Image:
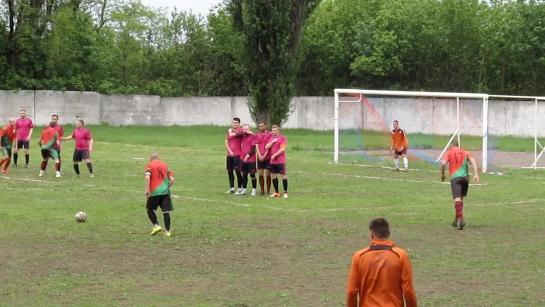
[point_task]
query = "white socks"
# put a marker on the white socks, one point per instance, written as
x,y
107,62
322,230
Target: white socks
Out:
x,y
406,162
396,163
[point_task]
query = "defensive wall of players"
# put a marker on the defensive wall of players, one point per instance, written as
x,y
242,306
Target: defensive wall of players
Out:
x,y
424,115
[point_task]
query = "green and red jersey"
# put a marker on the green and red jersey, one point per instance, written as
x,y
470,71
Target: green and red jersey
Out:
x,y
49,138
8,135
458,160
158,172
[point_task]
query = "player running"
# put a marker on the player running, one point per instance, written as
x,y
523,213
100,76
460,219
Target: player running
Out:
x,y
60,130
159,180
49,142
277,147
458,160
400,142
84,147
262,138
248,157
24,127
6,142
233,141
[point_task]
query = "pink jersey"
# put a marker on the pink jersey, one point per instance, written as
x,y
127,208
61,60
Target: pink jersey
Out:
x,y
262,138
234,142
247,144
281,143
23,126
83,137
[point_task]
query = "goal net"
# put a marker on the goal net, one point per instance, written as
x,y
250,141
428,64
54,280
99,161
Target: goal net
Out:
x,y
432,120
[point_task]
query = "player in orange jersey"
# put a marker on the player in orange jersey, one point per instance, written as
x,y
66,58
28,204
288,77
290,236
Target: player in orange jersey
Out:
x,y
159,180
399,146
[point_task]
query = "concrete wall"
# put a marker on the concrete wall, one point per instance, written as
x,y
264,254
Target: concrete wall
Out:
x,y
416,115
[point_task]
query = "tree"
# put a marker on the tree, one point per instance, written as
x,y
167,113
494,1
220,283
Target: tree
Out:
x,y
271,31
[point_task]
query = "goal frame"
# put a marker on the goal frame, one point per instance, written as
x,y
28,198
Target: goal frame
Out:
x,y
361,92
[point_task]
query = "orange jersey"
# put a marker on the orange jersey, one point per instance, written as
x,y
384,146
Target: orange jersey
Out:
x,y
381,275
399,139
159,174
9,132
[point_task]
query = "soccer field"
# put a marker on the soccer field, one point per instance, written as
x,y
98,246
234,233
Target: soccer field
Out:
x,y
231,250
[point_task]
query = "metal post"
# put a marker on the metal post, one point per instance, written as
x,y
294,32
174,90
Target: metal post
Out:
x,y
535,134
458,119
336,128
485,134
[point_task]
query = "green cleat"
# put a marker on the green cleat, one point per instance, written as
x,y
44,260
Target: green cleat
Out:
x,y
156,230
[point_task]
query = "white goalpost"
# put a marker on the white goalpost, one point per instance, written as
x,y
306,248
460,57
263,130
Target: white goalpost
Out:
x,y
456,134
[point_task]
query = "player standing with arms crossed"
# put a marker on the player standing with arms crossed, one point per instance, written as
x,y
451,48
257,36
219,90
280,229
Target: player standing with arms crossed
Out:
x,y
248,156
458,161
233,141
84,146
24,127
9,135
277,147
400,142
262,138
49,142
159,180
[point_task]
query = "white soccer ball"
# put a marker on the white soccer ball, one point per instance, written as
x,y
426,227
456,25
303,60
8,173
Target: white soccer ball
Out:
x,y
80,217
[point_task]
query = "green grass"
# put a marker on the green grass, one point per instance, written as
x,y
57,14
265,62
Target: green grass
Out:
x,y
243,251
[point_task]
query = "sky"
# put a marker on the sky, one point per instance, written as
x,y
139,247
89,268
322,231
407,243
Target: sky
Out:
x,y
197,6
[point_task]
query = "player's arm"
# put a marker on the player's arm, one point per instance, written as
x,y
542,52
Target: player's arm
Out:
x,y
68,137
407,282
231,133
170,178
280,151
91,144
30,132
227,146
443,169
353,287
473,162
147,186
271,143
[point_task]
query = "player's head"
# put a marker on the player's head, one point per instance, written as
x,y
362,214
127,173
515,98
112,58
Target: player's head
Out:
x,y
235,123
380,229
275,130
80,123
12,121
22,113
455,143
262,126
396,124
54,117
154,156
246,128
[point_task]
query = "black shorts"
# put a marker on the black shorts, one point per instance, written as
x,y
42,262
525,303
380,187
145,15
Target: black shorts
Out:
x,y
277,168
401,153
23,144
162,201
263,164
459,186
50,153
80,155
234,163
249,168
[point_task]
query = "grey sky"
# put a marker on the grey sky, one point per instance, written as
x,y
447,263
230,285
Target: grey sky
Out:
x,y
197,6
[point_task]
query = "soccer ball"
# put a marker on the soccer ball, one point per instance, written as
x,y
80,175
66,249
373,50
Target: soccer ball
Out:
x,y
80,217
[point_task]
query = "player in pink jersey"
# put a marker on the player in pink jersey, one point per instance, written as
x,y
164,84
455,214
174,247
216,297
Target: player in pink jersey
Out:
x,y
262,138
277,147
54,123
23,127
233,140
248,157
84,146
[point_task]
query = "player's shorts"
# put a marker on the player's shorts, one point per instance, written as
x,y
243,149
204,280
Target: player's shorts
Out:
x,y
400,153
50,153
459,186
23,144
249,168
162,201
265,164
80,155
234,163
277,168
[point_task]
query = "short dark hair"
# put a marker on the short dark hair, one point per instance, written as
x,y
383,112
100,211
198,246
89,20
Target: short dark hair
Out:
x,y
396,121
236,119
81,121
55,115
380,228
